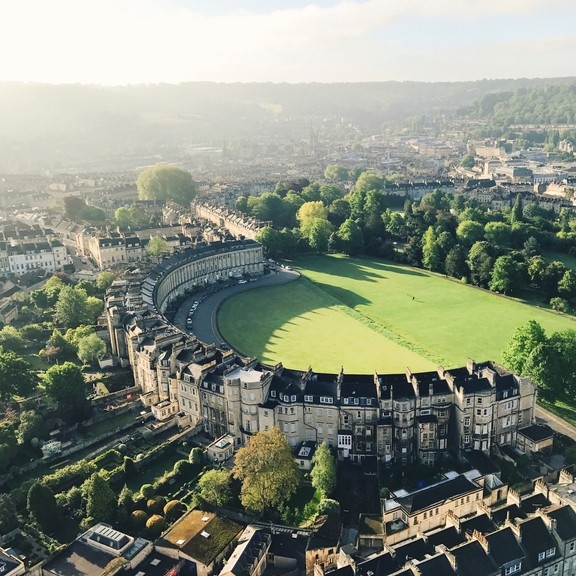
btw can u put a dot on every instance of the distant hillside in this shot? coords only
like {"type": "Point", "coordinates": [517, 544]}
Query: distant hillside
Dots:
{"type": "Point", "coordinates": [48, 127]}
{"type": "Point", "coordinates": [544, 104]}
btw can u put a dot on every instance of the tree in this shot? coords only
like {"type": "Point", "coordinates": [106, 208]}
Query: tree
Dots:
{"type": "Point", "coordinates": [147, 491]}
{"type": "Point", "coordinates": [138, 519]}
{"type": "Point", "coordinates": [328, 506]}
{"type": "Point", "coordinates": [104, 280]}
{"type": "Point", "coordinates": [319, 231]}
{"type": "Point", "coordinates": [469, 231]}
{"type": "Point", "coordinates": [42, 507]}
{"type": "Point", "coordinates": [468, 161]}
{"type": "Point", "coordinates": [267, 471]}
{"type": "Point", "coordinates": [173, 510]}
{"type": "Point", "coordinates": [16, 376]}
{"type": "Point", "coordinates": [8, 517]}
{"type": "Point", "coordinates": [91, 348]}
{"type": "Point", "coordinates": [432, 256]}
{"type": "Point", "coordinates": [156, 504]}
{"type": "Point", "coordinates": [157, 246]}
{"type": "Point", "coordinates": [455, 263]}
{"type": "Point", "coordinates": [166, 183]}
{"type": "Point", "coordinates": [551, 278]}
{"type": "Point", "coordinates": [507, 275]}
{"type": "Point", "coordinates": [323, 472]}
{"type": "Point", "coordinates": [350, 237]}
{"type": "Point", "coordinates": [498, 233]}
{"type": "Point", "coordinates": [155, 525]}
{"type": "Point", "coordinates": [214, 487]}
{"type": "Point", "coordinates": [11, 339]}
{"type": "Point", "coordinates": [308, 213]}
{"type": "Point", "coordinates": [130, 470]}
{"type": "Point", "coordinates": [560, 305]}
{"type": "Point", "coordinates": [101, 503]}
{"type": "Point", "coordinates": [336, 172]}
{"type": "Point", "coordinates": [525, 339]}
{"type": "Point", "coordinates": [567, 284]}
{"type": "Point", "coordinates": [64, 384]}
{"type": "Point", "coordinates": [480, 262]}
{"type": "Point", "coordinates": [71, 307]}
{"type": "Point", "coordinates": [517, 213]}
{"type": "Point", "coordinates": [31, 425]}
{"type": "Point", "coordinates": [196, 455]}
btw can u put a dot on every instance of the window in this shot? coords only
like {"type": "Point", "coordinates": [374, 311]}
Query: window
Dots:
{"type": "Point", "coordinates": [292, 398]}
{"type": "Point", "coordinates": [513, 569]}
{"type": "Point", "coordinates": [326, 400]}
{"type": "Point", "coordinates": [479, 401]}
{"type": "Point", "coordinates": [541, 556]}
{"type": "Point", "coordinates": [308, 399]}
{"type": "Point", "coordinates": [550, 552]}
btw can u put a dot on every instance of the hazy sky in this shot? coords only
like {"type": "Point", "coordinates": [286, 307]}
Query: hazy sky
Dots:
{"type": "Point", "coordinates": [149, 41]}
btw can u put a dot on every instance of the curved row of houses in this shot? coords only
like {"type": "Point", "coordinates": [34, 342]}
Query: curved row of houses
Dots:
{"type": "Point", "coordinates": [403, 417]}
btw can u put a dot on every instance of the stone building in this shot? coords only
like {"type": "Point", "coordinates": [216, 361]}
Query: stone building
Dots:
{"type": "Point", "coordinates": [403, 417]}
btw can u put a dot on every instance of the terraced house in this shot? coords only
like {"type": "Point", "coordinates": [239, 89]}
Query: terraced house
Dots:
{"type": "Point", "coordinates": [403, 417]}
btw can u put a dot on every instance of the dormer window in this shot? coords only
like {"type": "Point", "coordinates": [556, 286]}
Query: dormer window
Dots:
{"type": "Point", "coordinates": [513, 569]}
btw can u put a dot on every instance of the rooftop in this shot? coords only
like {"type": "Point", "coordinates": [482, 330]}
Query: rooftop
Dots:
{"type": "Point", "coordinates": [201, 535]}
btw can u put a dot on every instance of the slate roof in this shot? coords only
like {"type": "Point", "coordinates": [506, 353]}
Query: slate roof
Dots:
{"type": "Point", "coordinates": [565, 522]}
{"type": "Point", "coordinates": [472, 560]}
{"type": "Point", "coordinates": [504, 547]}
{"type": "Point", "coordinates": [536, 538]}
{"type": "Point", "coordinates": [381, 565]}
{"type": "Point", "coordinates": [511, 511]}
{"type": "Point", "coordinates": [449, 537]}
{"type": "Point", "coordinates": [535, 502]}
{"type": "Point", "coordinates": [536, 432]}
{"type": "Point", "coordinates": [413, 550]}
{"type": "Point", "coordinates": [480, 522]}
{"type": "Point", "coordinates": [436, 566]}
{"type": "Point", "coordinates": [437, 493]}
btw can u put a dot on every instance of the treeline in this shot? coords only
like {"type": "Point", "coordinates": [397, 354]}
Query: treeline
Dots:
{"type": "Point", "coordinates": [547, 104]}
{"type": "Point", "coordinates": [549, 361]}
{"type": "Point", "coordinates": [503, 251]}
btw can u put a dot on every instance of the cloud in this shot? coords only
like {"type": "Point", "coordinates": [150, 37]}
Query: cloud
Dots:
{"type": "Point", "coordinates": [128, 41]}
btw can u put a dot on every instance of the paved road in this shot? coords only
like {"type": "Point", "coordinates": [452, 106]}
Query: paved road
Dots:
{"type": "Point", "coordinates": [556, 423]}
{"type": "Point", "coordinates": [204, 324]}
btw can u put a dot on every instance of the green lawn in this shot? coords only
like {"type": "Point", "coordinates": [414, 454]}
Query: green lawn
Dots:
{"type": "Point", "coordinates": [370, 315]}
{"type": "Point", "coordinates": [301, 326]}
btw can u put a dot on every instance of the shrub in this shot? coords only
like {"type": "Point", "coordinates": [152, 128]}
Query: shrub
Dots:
{"type": "Point", "coordinates": [156, 505]}
{"type": "Point", "coordinates": [138, 519]}
{"type": "Point", "coordinates": [183, 468]}
{"type": "Point", "coordinates": [155, 525]}
{"type": "Point", "coordinates": [196, 456]}
{"type": "Point", "coordinates": [147, 491]}
{"type": "Point", "coordinates": [328, 506]}
{"type": "Point", "coordinates": [173, 510]}
{"type": "Point", "coordinates": [129, 467]}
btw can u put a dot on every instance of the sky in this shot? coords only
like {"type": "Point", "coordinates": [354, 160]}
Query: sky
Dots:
{"type": "Point", "coordinates": [117, 42]}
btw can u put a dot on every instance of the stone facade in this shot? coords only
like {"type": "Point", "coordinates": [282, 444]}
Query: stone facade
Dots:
{"type": "Point", "coordinates": [403, 417]}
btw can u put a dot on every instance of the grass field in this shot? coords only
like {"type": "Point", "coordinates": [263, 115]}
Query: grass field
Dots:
{"type": "Point", "coordinates": [370, 315]}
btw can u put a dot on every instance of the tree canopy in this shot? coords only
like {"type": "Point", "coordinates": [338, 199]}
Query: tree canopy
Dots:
{"type": "Point", "coordinates": [267, 471]}
{"type": "Point", "coordinates": [214, 487]}
{"type": "Point", "coordinates": [323, 472]}
{"type": "Point", "coordinates": [16, 376]}
{"type": "Point", "coordinates": [64, 384]}
{"type": "Point", "coordinates": [101, 503]}
{"type": "Point", "coordinates": [166, 183]}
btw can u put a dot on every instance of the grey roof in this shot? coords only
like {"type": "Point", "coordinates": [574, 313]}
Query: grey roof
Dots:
{"type": "Point", "coordinates": [504, 547]}
{"type": "Point", "coordinates": [472, 560]}
{"type": "Point", "coordinates": [437, 493]}
{"type": "Point", "coordinates": [537, 432]}
{"type": "Point", "coordinates": [565, 522]}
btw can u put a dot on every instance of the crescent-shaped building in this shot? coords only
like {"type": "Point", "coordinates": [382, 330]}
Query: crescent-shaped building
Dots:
{"type": "Point", "coordinates": [403, 417]}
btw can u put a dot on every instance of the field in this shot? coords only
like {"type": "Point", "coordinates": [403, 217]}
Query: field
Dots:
{"type": "Point", "coordinates": [370, 315]}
